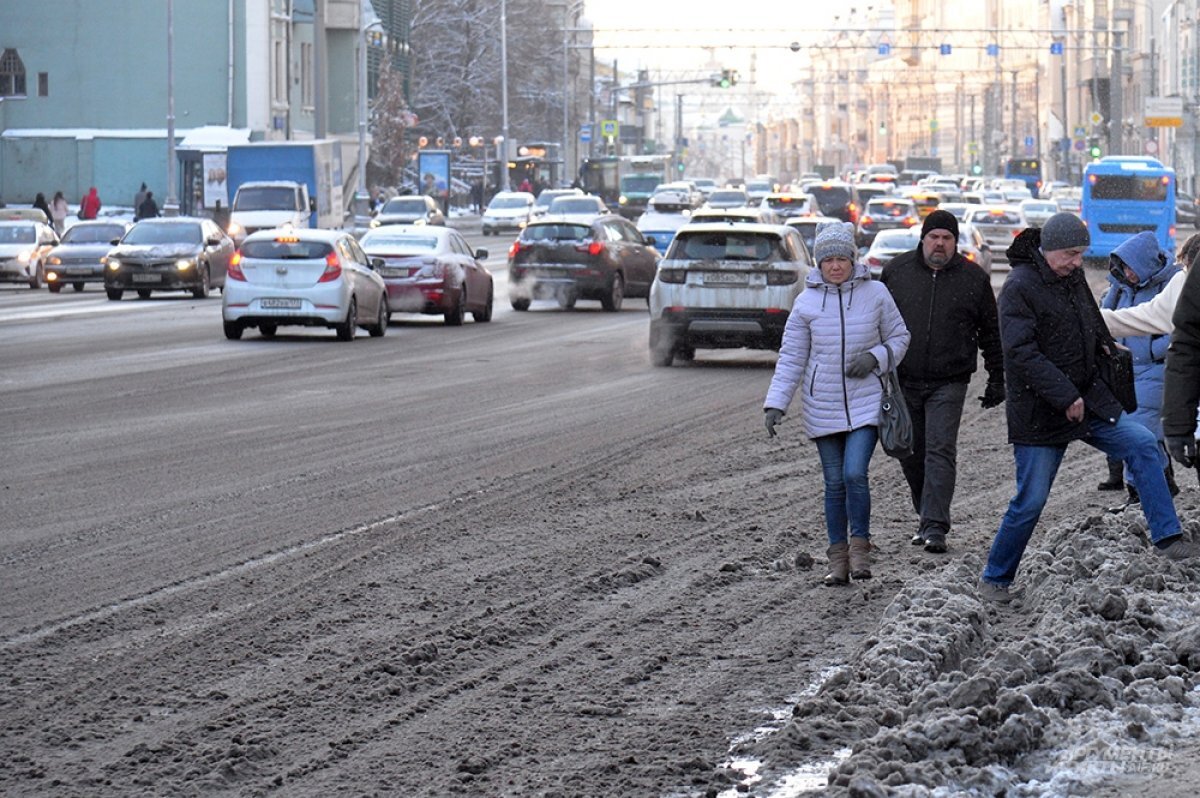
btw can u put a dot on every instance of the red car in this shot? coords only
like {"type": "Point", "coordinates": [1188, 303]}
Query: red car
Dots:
{"type": "Point", "coordinates": [432, 270]}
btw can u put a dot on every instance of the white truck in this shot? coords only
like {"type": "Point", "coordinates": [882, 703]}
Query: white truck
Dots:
{"type": "Point", "coordinates": [296, 183]}
{"type": "Point", "coordinates": [264, 204]}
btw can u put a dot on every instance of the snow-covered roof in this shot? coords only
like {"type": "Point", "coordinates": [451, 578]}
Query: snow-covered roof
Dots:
{"type": "Point", "coordinates": [214, 137]}
{"type": "Point", "coordinates": [206, 137]}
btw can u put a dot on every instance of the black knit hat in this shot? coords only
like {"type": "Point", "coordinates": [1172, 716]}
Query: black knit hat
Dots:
{"type": "Point", "coordinates": [1064, 231]}
{"type": "Point", "coordinates": [940, 220]}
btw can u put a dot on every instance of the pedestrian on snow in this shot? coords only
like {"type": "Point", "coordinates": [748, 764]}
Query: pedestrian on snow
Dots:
{"type": "Point", "coordinates": [59, 211]}
{"type": "Point", "coordinates": [148, 209]}
{"type": "Point", "coordinates": [1050, 332]}
{"type": "Point", "coordinates": [525, 186]}
{"type": "Point", "coordinates": [40, 203]}
{"type": "Point", "coordinates": [220, 216]}
{"type": "Point", "coordinates": [139, 198]}
{"type": "Point", "coordinates": [89, 206]}
{"type": "Point", "coordinates": [1138, 272]}
{"type": "Point", "coordinates": [950, 309]}
{"type": "Point", "coordinates": [1181, 384]}
{"type": "Point", "coordinates": [836, 344]}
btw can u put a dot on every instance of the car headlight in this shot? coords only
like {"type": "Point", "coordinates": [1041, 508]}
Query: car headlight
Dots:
{"type": "Point", "coordinates": [55, 260]}
{"type": "Point", "coordinates": [235, 229]}
{"type": "Point", "coordinates": [418, 222]}
{"type": "Point", "coordinates": [113, 264]}
{"type": "Point", "coordinates": [374, 223]}
{"type": "Point", "coordinates": [622, 200]}
{"type": "Point", "coordinates": [183, 264]}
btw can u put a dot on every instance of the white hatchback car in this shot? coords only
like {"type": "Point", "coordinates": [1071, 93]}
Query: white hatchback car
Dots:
{"type": "Point", "coordinates": [508, 211]}
{"type": "Point", "coordinates": [305, 277]}
{"type": "Point", "coordinates": [725, 286]}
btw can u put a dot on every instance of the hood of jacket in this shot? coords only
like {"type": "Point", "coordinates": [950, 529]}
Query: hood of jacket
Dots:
{"type": "Point", "coordinates": [1026, 246]}
{"type": "Point", "coordinates": [1142, 254]}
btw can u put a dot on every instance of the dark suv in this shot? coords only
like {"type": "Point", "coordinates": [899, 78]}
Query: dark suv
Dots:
{"type": "Point", "coordinates": [605, 259]}
{"type": "Point", "coordinates": [839, 200]}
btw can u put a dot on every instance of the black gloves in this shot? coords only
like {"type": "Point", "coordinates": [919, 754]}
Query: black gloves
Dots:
{"type": "Point", "coordinates": [993, 395]}
{"type": "Point", "coordinates": [1182, 448]}
{"type": "Point", "coordinates": [772, 417]}
{"type": "Point", "coordinates": [861, 365]}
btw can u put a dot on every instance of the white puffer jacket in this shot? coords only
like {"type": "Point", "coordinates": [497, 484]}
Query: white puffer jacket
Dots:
{"type": "Point", "coordinates": [829, 325]}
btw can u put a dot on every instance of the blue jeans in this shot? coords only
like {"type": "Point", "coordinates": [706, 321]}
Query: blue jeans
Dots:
{"type": "Point", "coordinates": [845, 458]}
{"type": "Point", "coordinates": [1036, 467]}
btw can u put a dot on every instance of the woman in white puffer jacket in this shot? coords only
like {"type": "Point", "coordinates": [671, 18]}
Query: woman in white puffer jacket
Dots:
{"type": "Point", "coordinates": [835, 347]}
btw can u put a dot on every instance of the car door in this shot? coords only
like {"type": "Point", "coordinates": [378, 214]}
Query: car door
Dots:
{"type": "Point", "coordinates": [643, 258]}
{"type": "Point", "coordinates": [366, 289]}
{"type": "Point", "coordinates": [219, 254]}
{"type": "Point", "coordinates": [474, 274]}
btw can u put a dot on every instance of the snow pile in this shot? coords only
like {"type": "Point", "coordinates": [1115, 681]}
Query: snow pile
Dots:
{"type": "Point", "coordinates": [1090, 677]}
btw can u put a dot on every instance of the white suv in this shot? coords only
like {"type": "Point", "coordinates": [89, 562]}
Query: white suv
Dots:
{"type": "Point", "coordinates": [725, 285]}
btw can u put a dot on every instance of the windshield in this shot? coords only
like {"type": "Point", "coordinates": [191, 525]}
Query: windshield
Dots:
{"type": "Point", "coordinates": [400, 244]}
{"type": "Point", "coordinates": [786, 202]}
{"type": "Point", "coordinates": [758, 187]}
{"type": "Point", "coordinates": [93, 233]}
{"type": "Point", "coordinates": [156, 233]}
{"type": "Point", "coordinates": [888, 208]}
{"type": "Point", "coordinates": [572, 205]}
{"type": "Point", "coordinates": [727, 246]}
{"type": "Point", "coordinates": [265, 198]}
{"type": "Point", "coordinates": [996, 216]}
{"type": "Point", "coordinates": [508, 202]}
{"type": "Point", "coordinates": [830, 198]}
{"type": "Point", "coordinates": [643, 184]}
{"type": "Point", "coordinates": [728, 196]}
{"type": "Point", "coordinates": [17, 234]}
{"type": "Point", "coordinates": [546, 197]}
{"type": "Point", "coordinates": [286, 250]}
{"type": "Point", "coordinates": [897, 239]}
{"type": "Point", "coordinates": [410, 205]}
{"type": "Point", "coordinates": [556, 232]}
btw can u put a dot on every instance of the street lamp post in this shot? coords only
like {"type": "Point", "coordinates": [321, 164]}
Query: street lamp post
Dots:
{"type": "Point", "coordinates": [504, 181]}
{"type": "Point", "coordinates": [171, 204]}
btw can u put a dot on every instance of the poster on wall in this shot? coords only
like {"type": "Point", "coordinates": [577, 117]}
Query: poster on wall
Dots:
{"type": "Point", "coordinates": [215, 187]}
{"type": "Point", "coordinates": [434, 168]}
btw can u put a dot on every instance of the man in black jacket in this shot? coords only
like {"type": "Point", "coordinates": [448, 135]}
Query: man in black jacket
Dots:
{"type": "Point", "coordinates": [1050, 328]}
{"type": "Point", "coordinates": [949, 307]}
{"type": "Point", "coordinates": [1181, 385]}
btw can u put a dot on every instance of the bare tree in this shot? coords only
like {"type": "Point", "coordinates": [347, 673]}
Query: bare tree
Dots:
{"type": "Point", "coordinates": [392, 142]}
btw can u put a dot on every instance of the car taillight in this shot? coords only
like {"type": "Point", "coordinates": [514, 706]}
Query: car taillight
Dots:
{"type": "Point", "coordinates": [514, 249]}
{"type": "Point", "coordinates": [874, 261]}
{"type": "Point", "coordinates": [234, 272]}
{"type": "Point", "coordinates": [866, 220]}
{"type": "Point", "coordinates": [911, 222]}
{"type": "Point", "coordinates": [333, 269]}
{"type": "Point", "coordinates": [672, 275]}
{"type": "Point", "coordinates": [1016, 233]}
{"type": "Point", "coordinates": [782, 277]}
{"type": "Point", "coordinates": [969, 256]}
{"type": "Point", "coordinates": [595, 248]}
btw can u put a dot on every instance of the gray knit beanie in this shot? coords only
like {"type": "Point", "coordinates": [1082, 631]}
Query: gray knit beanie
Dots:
{"type": "Point", "coordinates": [834, 240]}
{"type": "Point", "coordinates": [1064, 231]}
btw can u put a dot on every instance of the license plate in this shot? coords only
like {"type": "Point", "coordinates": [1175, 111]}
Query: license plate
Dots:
{"type": "Point", "coordinates": [147, 278]}
{"type": "Point", "coordinates": [280, 304]}
{"type": "Point", "coordinates": [80, 272]}
{"type": "Point", "coordinates": [726, 278]}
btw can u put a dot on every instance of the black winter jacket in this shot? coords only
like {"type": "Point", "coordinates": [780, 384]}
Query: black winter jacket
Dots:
{"type": "Point", "coordinates": [951, 313]}
{"type": "Point", "coordinates": [1050, 327]}
{"type": "Point", "coordinates": [1181, 385]}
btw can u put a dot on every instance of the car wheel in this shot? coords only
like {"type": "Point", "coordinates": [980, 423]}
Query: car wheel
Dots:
{"type": "Point", "coordinates": [520, 304]}
{"type": "Point", "coordinates": [267, 330]}
{"type": "Point", "coordinates": [485, 314]}
{"type": "Point", "coordinates": [54, 287]}
{"type": "Point", "coordinates": [686, 353]}
{"type": "Point", "coordinates": [378, 329]}
{"type": "Point", "coordinates": [233, 329]}
{"type": "Point", "coordinates": [616, 294]}
{"type": "Point", "coordinates": [143, 293]}
{"type": "Point", "coordinates": [567, 298]}
{"type": "Point", "coordinates": [201, 291]}
{"type": "Point", "coordinates": [345, 329]}
{"type": "Point", "coordinates": [114, 294]}
{"type": "Point", "coordinates": [454, 318]}
{"type": "Point", "coordinates": [35, 280]}
{"type": "Point", "coordinates": [78, 287]}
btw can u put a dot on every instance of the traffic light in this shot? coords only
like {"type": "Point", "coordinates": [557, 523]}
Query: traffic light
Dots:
{"type": "Point", "coordinates": [727, 78]}
{"type": "Point", "coordinates": [1094, 147]}
{"type": "Point", "coordinates": [976, 168]}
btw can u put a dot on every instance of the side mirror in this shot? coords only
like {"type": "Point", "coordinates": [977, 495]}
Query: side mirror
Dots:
{"type": "Point", "coordinates": [115, 241]}
{"type": "Point", "coordinates": [312, 205]}
{"type": "Point", "coordinates": [650, 241]}
{"type": "Point", "coordinates": [481, 254]}
{"type": "Point", "coordinates": [213, 242]}
{"type": "Point", "coordinates": [377, 264]}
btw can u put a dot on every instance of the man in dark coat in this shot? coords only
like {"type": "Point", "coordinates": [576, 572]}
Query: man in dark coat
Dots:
{"type": "Point", "coordinates": [948, 305]}
{"type": "Point", "coordinates": [1050, 329]}
{"type": "Point", "coordinates": [148, 209]}
{"type": "Point", "coordinates": [1181, 384]}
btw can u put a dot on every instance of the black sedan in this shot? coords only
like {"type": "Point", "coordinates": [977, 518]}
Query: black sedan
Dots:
{"type": "Point", "coordinates": [409, 210]}
{"type": "Point", "coordinates": [605, 259]}
{"type": "Point", "coordinates": [168, 254]}
{"type": "Point", "coordinates": [79, 256]}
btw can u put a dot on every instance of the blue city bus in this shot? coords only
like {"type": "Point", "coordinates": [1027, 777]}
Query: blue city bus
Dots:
{"type": "Point", "coordinates": [1027, 169]}
{"type": "Point", "coordinates": [1124, 195]}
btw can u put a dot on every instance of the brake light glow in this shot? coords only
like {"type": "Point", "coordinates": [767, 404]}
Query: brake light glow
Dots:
{"type": "Point", "coordinates": [333, 269]}
{"type": "Point", "coordinates": [595, 248]}
{"type": "Point", "coordinates": [866, 220]}
{"type": "Point", "coordinates": [234, 272]}
{"type": "Point", "coordinates": [287, 239]}
{"type": "Point", "coordinates": [514, 249]}
{"type": "Point", "coordinates": [910, 221]}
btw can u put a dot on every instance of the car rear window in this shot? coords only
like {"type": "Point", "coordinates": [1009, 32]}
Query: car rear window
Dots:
{"type": "Point", "coordinates": [17, 234]}
{"type": "Point", "coordinates": [888, 208]}
{"type": "Point", "coordinates": [572, 205]}
{"type": "Point", "coordinates": [830, 197]}
{"type": "Point", "coordinates": [402, 245]}
{"type": "Point", "coordinates": [286, 250]}
{"type": "Point", "coordinates": [727, 246]}
{"type": "Point", "coordinates": [996, 217]}
{"type": "Point", "coordinates": [786, 202]}
{"type": "Point", "coordinates": [404, 206]}
{"type": "Point", "coordinates": [556, 232]}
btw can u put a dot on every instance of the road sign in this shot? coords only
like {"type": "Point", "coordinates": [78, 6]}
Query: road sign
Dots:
{"type": "Point", "coordinates": [1056, 48]}
{"type": "Point", "coordinates": [1164, 112]}
{"type": "Point", "coordinates": [1096, 118]}
{"type": "Point", "coordinates": [585, 133]}
{"type": "Point", "coordinates": [884, 49]}
{"type": "Point", "coordinates": [609, 128]}
{"type": "Point", "coordinates": [1080, 132]}
{"type": "Point", "coordinates": [1151, 146]}
{"type": "Point", "coordinates": [1080, 144]}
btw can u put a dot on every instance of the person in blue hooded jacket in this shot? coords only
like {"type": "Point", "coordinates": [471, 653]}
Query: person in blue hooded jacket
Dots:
{"type": "Point", "coordinates": [1138, 272]}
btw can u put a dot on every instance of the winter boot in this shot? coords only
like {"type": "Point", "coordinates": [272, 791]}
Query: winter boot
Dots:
{"type": "Point", "coordinates": [1169, 472]}
{"type": "Point", "coordinates": [1116, 479]}
{"type": "Point", "coordinates": [839, 564]}
{"type": "Point", "coordinates": [1132, 500]}
{"type": "Point", "coordinates": [860, 557]}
